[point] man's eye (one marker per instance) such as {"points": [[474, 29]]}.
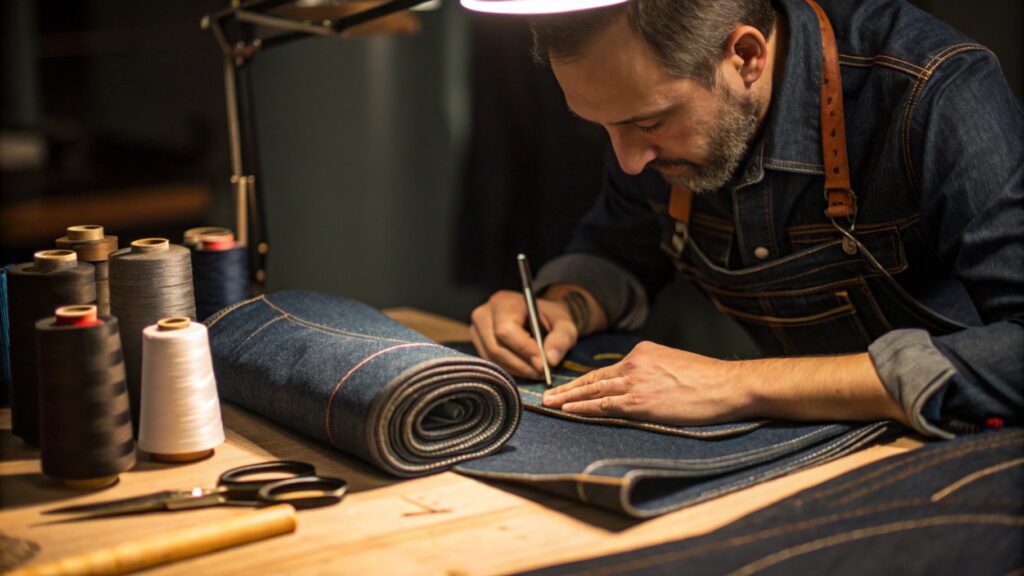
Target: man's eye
{"points": [[649, 128]]}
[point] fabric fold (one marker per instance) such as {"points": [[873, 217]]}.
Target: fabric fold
{"points": [[343, 373]]}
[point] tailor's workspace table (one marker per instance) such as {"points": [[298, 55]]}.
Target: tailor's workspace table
{"points": [[440, 524]]}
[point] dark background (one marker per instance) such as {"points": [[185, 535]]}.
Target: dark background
{"points": [[398, 170]]}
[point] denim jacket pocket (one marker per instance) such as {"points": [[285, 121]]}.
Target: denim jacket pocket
{"points": [[820, 320]]}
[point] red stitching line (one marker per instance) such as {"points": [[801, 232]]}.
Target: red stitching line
{"points": [[330, 399]]}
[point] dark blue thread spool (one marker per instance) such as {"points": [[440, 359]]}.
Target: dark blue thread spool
{"points": [[220, 270]]}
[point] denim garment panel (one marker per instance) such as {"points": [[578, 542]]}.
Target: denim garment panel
{"points": [[954, 507], [345, 374], [643, 474], [598, 351]]}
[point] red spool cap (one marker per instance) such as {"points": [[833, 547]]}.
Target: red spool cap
{"points": [[994, 422], [216, 242], [81, 315]]}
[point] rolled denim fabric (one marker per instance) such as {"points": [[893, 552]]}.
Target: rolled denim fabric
{"points": [[343, 373]]}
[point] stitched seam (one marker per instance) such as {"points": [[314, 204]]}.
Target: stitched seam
{"points": [[356, 368], [870, 297], [684, 432], [884, 61], [875, 227], [217, 317], [260, 329], [907, 63]]}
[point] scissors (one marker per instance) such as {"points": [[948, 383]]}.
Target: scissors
{"points": [[301, 488]]}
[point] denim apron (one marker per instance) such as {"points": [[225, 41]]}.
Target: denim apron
{"points": [[835, 293]]}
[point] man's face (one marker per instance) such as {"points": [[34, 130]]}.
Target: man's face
{"points": [[690, 134]]}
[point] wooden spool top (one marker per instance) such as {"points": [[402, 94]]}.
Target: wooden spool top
{"points": [[50, 260], [173, 323], [151, 245]]}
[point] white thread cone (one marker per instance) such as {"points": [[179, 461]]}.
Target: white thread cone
{"points": [[180, 411]]}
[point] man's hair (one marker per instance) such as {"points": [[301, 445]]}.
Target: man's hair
{"points": [[688, 36]]}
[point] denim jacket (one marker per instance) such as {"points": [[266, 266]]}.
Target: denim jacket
{"points": [[937, 163]]}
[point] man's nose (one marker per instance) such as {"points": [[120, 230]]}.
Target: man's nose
{"points": [[633, 151]]}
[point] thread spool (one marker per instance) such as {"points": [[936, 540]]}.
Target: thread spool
{"points": [[221, 270], [192, 235], [92, 245], [5, 341], [149, 280], [180, 418], [85, 427], [54, 278]]}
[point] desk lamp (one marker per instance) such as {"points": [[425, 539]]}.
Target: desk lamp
{"points": [[535, 6], [241, 32]]}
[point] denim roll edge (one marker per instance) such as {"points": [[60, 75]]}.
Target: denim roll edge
{"points": [[343, 373]]}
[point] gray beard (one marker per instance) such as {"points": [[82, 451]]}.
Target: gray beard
{"points": [[734, 127]]}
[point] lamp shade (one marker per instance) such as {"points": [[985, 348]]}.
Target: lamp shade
{"points": [[535, 6]]}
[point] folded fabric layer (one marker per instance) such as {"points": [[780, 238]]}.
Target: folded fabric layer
{"points": [[953, 507], [345, 374], [644, 474]]}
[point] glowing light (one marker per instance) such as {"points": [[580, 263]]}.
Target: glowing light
{"points": [[535, 6]]}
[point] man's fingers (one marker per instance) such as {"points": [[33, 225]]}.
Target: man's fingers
{"points": [[605, 406], [597, 389], [478, 343], [561, 338], [585, 380], [505, 357]]}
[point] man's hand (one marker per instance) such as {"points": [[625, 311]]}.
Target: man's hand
{"points": [[655, 383], [499, 333]]}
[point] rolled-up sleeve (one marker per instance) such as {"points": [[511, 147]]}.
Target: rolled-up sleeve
{"points": [[966, 146]]}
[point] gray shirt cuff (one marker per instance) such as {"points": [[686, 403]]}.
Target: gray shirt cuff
{"points": [[616, 289], [913, 371]]}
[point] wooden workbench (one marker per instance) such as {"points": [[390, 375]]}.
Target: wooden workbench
{"points": [[441, 524]]}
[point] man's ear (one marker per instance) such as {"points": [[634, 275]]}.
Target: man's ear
{"points": [[747, 53]]}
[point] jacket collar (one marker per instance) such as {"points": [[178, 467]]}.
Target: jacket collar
{"points": [[792, 133]]}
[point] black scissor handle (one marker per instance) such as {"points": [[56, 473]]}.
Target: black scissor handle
{"points": [[239, 488], [316, 491]]}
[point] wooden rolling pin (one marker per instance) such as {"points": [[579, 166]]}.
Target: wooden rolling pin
{"points": [[168, 547]]}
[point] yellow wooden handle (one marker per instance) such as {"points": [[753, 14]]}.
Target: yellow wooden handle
{"points": [[168, 547]]}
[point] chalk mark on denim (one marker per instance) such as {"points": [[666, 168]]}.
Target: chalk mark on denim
{"points": [[821, 544], [365, 361], [978, 475], [999, 441], [633, 565]]}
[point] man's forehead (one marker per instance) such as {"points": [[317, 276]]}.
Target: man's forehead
{"points": [[617, 79]]}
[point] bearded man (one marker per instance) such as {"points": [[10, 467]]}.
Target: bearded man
{"points": [[844, 180]]}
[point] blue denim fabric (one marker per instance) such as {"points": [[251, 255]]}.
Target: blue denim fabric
{"points": [[643, 469], [644, 474], [345, 374], [950, 508], [934, 136]]}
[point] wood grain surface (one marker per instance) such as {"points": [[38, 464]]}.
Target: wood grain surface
{"points": [[441, 524]]}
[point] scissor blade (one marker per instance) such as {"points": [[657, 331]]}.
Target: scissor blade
{"points": [[154, 501]]}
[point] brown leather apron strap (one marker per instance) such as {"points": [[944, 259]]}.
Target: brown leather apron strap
{"points": [[840, 200], [680, 203], [839, 195]]}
